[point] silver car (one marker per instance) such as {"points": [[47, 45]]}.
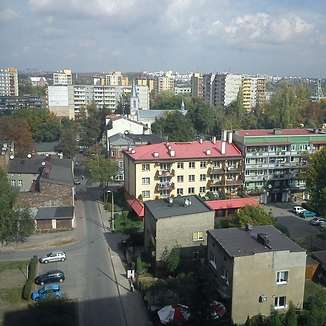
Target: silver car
{"points": [[53, 256]]}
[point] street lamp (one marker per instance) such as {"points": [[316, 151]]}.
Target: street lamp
{"points": [[112, 208]]}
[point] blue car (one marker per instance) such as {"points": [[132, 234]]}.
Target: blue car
{"points": [[52, 290], [307, 213]]}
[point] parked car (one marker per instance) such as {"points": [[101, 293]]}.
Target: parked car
{"points": [[52, 256], [50, 277], [317, 221], [297, 209], [307, 213], [77, 181], [47, 291]]}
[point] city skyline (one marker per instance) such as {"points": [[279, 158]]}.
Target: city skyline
{"points": [[276, 38]]}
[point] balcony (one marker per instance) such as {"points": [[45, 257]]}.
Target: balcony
{"points": [[215, 170], [164, 173], [211, 183], [164, 186], [230, 181]]}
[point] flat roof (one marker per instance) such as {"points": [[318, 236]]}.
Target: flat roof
{"points": [[282, 132], [238, 242], [161, 208]]}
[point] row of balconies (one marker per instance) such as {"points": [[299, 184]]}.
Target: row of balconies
{"points": [[275, 153]]}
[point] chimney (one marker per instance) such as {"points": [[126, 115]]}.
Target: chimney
{"points": [[22, 162], [223, 147], [172, 152], [263, 239], [248, 226], [230, 137], [208, 151], [277, 131], [214, 140], [201, 140], [223, 135]]}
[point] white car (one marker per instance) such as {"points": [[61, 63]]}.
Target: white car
{"points": [[298, 209], [53, 256]]}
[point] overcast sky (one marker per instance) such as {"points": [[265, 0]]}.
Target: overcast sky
{"points": [[275, 37]]}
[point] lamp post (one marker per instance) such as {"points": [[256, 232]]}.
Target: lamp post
{"points": [[112, 208]]}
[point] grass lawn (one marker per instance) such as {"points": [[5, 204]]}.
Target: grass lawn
{"points": [[311, 288]]}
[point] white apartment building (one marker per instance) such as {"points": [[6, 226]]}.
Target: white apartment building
{"points": [[62, 77], [60, 101], [8, 82]]}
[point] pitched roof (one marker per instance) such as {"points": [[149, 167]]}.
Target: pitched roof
{"points": [[185, 150], [136, 205], [238, 242], [231, 203]]}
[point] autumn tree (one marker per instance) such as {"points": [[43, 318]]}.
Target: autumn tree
{"points": [[68, 143], [315, 175]]}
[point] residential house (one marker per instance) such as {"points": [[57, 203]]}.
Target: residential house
{"points": [[182, 168], [256, 269], [276, 158], [180, 221], [48, 148]]}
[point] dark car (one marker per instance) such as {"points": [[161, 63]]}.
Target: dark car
{"points": [[50, 277], [76, 181]]}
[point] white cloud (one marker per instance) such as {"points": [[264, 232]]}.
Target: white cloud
{"points": [[8, 15]]}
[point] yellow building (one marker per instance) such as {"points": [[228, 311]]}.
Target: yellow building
{"points": [[62, 77], [176, 169]]}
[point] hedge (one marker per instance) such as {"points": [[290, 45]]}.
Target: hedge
{"points": [[27, 290]]}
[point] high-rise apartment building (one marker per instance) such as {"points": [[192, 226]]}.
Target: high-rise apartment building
{"points": [[9, 82], [115, 78], [253, 90], [208, 89], [197, 85], [62, 77], [163, 83], [60, 100], [145, 81]]}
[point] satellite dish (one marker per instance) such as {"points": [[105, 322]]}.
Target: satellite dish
{"points": [[29, 155], [46, 154], [11, 157], [43, 163]]}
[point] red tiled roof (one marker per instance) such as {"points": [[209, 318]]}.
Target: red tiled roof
{"points": [[231, 203], [185, 150], [136, 205], [270, 132]]}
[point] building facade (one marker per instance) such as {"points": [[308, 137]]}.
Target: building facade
{"points": [[178, 222], [9, 82], [163, 83], [256, 270], [197, 85], [62, 77], [60, 101], [274, 160], [178, 169]]}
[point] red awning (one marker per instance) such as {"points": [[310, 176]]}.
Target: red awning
{"points": [[136, 205], [231, 203]]}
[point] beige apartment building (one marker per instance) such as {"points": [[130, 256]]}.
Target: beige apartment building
{"points": [[62, 77], [9, 82], [256, 270], [183, 168]]}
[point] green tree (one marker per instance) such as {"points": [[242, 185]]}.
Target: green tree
{"points": [[69, 145], [255, 214], [274, 319], [123, 106], [26, 88], [49, 131], [201, 296], [248, 322], [13, 219], [291, 316], [101, 169], [316, 180], [173, 260]]}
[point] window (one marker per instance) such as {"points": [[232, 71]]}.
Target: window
{"points": [[280, 302], [292, 147], [212, 259], [180, 178], [180, 165], [224, 274], [191, 165], [13, 183], [198, 236], [164, 193], [191, 190], [165, 166], [203, 164], [120, 164], [145, 167], [282, 277], [112, 153], [202, 190], [247, 172], [202, 177], [180, 191], [231, 163], [198, 254], [145, 181], [247, 160], [216, 164], [20, 183], [145, 194], [192, 177]]}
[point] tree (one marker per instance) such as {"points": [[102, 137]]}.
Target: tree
{"points": [[291, 317], [49, 131], [201, 296], [68, 143], [248, 322], [173, 259], [274, 319], [13, 219], [101, 169], [255, 214], [316, 180]]}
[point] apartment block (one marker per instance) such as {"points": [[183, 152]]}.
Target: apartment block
{"points": [[256, 270], [115, 78], [62, 77], [9, 82], [163, 83], [60, 101], [178, 169], [274, 160], [197, 85], [208, 89]]}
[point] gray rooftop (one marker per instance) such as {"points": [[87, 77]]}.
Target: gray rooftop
{"points": [[58, 213], [238, 242], [161, 208], [48, 147]]}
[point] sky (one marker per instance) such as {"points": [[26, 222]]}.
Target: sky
{"points": [[274, 37]]}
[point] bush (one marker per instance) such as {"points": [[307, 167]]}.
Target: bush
{"points": [[309, 208], [27, 290]]}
